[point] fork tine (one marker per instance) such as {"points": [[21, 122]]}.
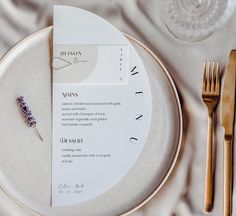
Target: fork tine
{"points": [[208, 85], [217, 77], [204, 77], [213, 75]]}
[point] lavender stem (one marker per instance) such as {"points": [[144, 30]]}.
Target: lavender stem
{"points": [[38, 134]]}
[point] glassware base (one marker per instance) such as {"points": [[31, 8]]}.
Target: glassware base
{"points": [[195, 20]]}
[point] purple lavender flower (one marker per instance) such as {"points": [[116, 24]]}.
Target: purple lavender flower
{"points": [[29, 118]]}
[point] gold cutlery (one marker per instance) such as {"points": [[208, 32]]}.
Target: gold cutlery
{"points": [[211, 97], [227, 121]]}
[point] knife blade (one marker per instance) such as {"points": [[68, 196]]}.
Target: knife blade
{"points": [[227, 113], [228, 95]]}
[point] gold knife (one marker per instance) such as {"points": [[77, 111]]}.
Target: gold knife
{"points": [[227, 120]]}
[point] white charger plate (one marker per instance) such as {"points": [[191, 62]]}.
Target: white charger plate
{"points": [[25, 162]]}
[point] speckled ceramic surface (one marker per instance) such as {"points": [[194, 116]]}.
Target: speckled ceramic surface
{"points": [[25, 162]]}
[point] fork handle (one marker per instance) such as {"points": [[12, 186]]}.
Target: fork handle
{"points": [[209, 167], [228, 176]]}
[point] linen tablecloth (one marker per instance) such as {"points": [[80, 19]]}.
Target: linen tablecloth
{"points": [[183, 193]]}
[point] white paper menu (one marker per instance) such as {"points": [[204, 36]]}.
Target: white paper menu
{"points": [[101, 110]]}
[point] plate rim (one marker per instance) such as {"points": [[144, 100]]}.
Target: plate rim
{"points": [[180, 118]]}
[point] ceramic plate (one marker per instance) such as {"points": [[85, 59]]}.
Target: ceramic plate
{"points": [[25, 162]]}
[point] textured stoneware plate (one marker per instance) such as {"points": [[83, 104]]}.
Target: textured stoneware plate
{"points": [[25, 162]]}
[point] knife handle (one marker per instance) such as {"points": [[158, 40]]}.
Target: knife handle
{"points": [[228, 176]]}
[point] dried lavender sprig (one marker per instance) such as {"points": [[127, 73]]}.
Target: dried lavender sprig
{"points": [[29, 118]]}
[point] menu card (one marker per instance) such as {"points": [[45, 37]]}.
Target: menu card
{"points": [[101, 109]]}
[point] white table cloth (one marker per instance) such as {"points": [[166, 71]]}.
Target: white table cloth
{"points": [[183, 193]]}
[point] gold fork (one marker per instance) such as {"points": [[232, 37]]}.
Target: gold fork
{"points": [[211, 97]]}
